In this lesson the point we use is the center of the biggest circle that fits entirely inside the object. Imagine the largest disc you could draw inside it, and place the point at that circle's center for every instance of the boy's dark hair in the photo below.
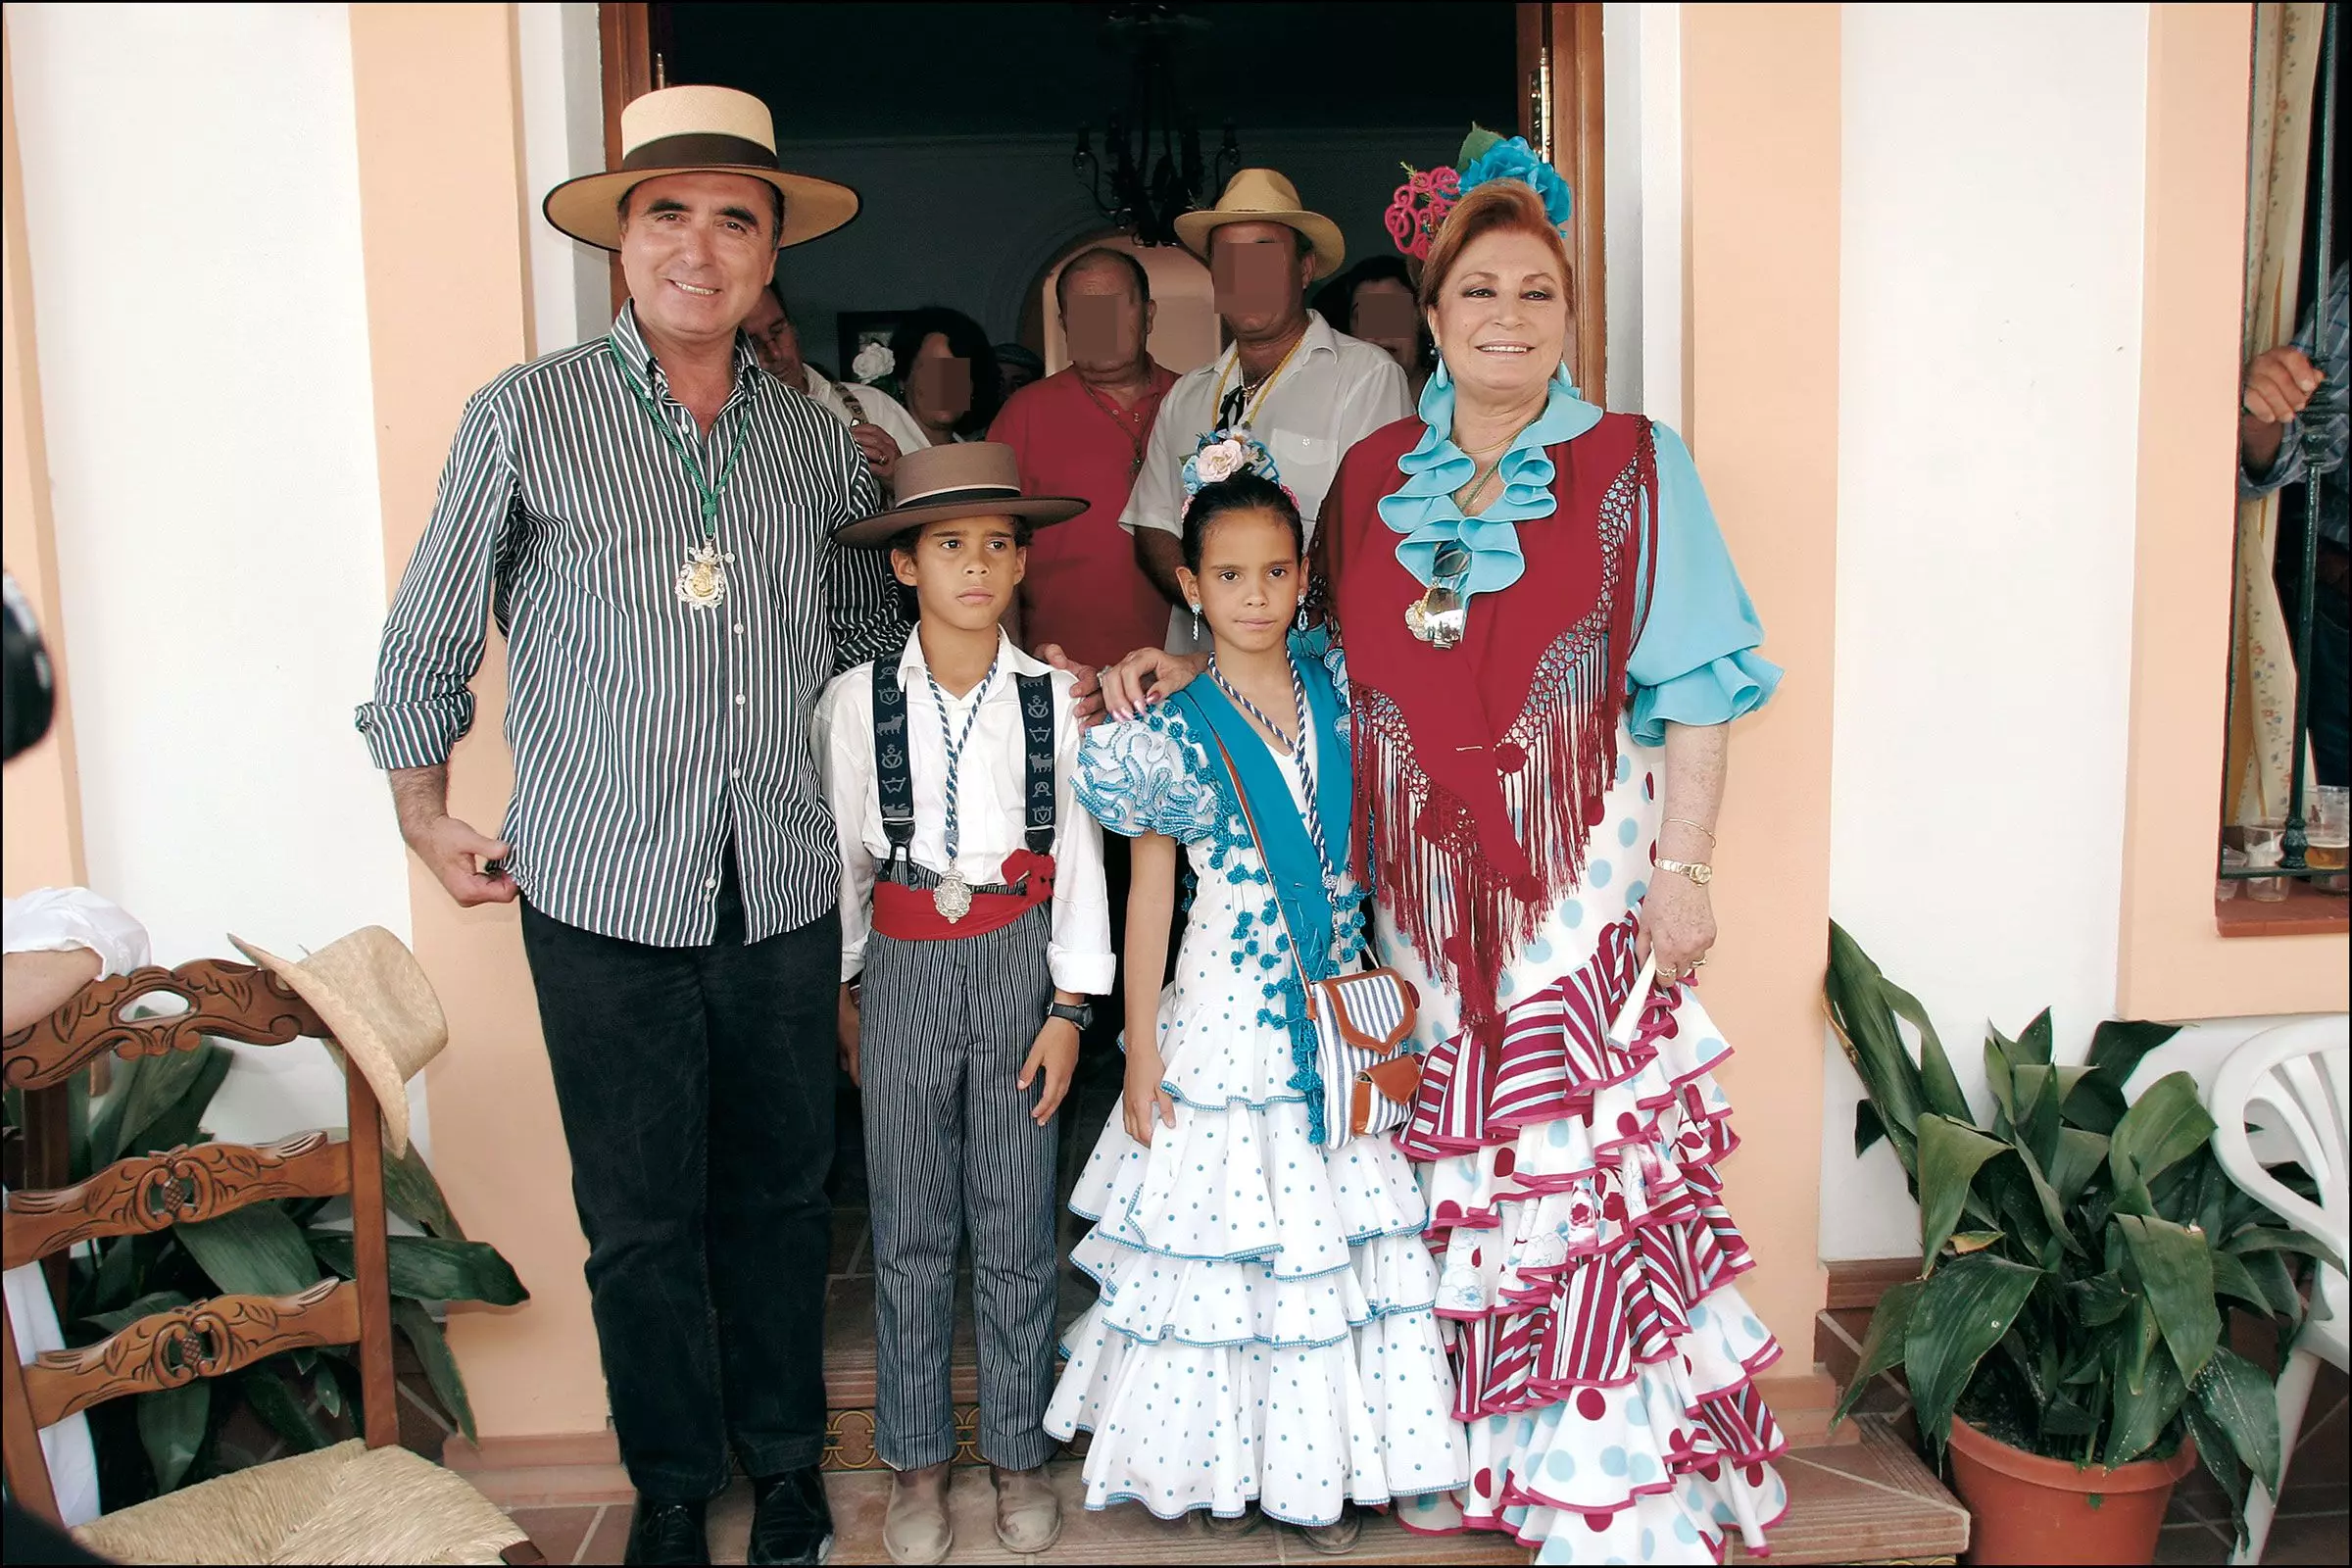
(1244, 492)
(908, 538)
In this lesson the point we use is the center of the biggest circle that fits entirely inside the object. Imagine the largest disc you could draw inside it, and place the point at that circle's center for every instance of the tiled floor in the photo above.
(2315, 1513)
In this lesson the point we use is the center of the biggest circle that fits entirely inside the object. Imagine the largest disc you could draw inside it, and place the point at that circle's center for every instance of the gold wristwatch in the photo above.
(1699, 872)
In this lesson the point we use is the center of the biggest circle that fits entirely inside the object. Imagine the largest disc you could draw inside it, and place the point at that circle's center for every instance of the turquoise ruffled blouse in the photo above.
(1695, 661)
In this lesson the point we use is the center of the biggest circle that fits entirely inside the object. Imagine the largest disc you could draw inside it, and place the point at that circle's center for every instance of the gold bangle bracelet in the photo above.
(1686, 822)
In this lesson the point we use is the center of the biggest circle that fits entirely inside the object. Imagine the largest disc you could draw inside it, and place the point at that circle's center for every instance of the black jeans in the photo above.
(696, 1086)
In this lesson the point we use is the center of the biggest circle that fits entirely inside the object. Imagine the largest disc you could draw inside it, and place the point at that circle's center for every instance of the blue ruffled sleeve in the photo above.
(1695, 661)
(1142, 775)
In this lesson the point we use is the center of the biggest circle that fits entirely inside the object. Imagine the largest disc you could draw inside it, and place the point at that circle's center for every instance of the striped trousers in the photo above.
(950, 1149)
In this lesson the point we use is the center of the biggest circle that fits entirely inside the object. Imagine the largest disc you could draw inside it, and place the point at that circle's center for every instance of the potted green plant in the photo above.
(2079, 1260)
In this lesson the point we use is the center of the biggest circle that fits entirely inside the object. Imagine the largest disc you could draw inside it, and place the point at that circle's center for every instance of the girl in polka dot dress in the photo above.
(1264, 1331)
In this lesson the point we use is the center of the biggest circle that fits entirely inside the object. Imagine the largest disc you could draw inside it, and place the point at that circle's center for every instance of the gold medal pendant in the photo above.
(952, 898)
(702, 579)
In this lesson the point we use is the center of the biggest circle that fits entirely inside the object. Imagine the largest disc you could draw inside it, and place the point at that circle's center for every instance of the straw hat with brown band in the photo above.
(1263, 196)
(695, 130)
(961, 480)
(378, 1006)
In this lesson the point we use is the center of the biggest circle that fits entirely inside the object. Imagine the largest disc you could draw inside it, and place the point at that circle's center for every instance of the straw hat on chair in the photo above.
(380, 1008)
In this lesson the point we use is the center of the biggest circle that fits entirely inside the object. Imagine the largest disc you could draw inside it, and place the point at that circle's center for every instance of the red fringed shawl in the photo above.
(1481, 769)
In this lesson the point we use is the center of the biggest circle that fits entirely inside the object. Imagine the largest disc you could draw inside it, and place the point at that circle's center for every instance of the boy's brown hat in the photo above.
(961, 479)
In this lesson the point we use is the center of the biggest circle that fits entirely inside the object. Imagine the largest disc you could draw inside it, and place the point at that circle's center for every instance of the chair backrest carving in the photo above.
(151, 1191)
(233, 1001)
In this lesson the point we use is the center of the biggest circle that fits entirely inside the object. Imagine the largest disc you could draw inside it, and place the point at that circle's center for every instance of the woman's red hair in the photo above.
(1499, 206)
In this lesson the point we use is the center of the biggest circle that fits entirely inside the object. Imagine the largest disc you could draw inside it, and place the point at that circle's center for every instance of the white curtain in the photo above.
(2262, 696)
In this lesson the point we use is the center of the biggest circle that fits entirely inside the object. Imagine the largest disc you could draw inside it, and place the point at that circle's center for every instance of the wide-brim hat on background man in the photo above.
(961, 480)
(1263, 196)
(695, 130)
(376, 1002)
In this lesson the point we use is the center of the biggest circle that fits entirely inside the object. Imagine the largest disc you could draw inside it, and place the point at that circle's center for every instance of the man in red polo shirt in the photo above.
(1083, 431)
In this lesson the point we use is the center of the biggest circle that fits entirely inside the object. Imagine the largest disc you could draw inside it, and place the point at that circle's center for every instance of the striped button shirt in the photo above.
(648, 733)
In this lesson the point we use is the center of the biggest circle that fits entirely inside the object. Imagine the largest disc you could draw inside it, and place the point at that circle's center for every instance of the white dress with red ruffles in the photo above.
(1603, 1356)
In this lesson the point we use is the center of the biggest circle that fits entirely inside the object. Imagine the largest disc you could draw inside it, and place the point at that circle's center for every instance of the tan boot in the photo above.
(1028, 1513)
(915, 1528)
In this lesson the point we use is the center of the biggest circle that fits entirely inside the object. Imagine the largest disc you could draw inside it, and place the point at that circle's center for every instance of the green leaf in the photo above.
(121, 1318)
(440, 1366)
(330, 1393)
(172, 1423)
(2165, 1125)
(2176, 1274)
(255, 1249)
(118, 1272)
(2231, 1278)
(2095, 1105)
(2237, 1397)
(2053, 1212)
(2278, 1283)
(2143, 1406)
(2220, 1462)
(107, 1110)
(2079, 1156)
(165, 1082)
(179, 1122)
(413, 1194)
(1939, 1086)
(1962, 1311)
(1865, 1028)
(431, 1269)
(78, 1124)
(2117, 1046)
(2041, 1092)
(2099, 1299)
(1950, 1154)
(2000, 1073)
(2280, 1239)
(1881, 1343)
(1867, 1129)
(2063, 1418)
(287, 1416)
(1475, 146)
(2033, 1046)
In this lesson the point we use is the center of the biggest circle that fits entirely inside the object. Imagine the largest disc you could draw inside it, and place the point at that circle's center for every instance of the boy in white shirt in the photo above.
(974, 926)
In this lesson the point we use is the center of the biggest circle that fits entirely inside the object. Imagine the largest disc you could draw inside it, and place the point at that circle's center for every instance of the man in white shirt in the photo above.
(1306, 392)
(880, 425)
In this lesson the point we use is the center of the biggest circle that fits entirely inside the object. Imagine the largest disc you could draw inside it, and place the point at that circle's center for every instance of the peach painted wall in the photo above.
(1760, 126)
(43, 843)
(2173, 965)
(448, 299)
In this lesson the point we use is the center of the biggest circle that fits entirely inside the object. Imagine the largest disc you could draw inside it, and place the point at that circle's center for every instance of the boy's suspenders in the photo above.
(894, 782)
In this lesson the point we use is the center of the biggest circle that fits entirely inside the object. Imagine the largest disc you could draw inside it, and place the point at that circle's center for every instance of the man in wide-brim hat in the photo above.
(1306, 391)
(648, 518)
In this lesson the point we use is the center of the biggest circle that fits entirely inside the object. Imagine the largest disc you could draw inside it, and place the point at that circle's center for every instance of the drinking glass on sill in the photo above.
(2330, 831)
(2233, 859)
(2266, 845)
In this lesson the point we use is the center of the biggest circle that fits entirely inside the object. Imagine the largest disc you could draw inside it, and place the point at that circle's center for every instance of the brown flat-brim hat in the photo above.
(695, 130)
(961, 480)
(378, 1004)
(1263, 196)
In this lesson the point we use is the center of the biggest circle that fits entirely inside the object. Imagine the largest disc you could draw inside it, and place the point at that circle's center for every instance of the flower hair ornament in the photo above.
(1222, 454)
(1418, 210)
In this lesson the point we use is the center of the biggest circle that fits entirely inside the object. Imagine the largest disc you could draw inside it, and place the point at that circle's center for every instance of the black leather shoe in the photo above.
(667, 1533)
(791, 1519)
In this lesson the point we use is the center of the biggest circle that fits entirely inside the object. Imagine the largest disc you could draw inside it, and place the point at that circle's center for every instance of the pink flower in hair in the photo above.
(1419, 208)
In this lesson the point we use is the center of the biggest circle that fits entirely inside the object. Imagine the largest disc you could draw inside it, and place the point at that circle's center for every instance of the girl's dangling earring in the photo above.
(1196, 623)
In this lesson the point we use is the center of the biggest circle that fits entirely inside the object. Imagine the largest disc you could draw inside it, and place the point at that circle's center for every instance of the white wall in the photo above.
(196, 273)
(559, 57)
(1995, 164)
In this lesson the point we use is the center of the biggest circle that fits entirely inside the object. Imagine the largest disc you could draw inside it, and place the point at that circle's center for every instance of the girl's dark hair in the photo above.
(967, 342)
(1244, 492)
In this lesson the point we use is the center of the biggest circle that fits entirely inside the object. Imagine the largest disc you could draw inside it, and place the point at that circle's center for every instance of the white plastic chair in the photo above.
(2288, 1085)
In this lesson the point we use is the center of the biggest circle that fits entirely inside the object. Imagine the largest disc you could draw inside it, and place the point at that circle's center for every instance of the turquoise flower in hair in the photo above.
(1516, 160)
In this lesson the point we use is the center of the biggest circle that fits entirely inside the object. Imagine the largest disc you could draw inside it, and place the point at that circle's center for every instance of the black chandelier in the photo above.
(1152, 147)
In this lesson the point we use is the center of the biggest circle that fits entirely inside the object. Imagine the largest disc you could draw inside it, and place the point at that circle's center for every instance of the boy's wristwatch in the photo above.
(1082, 1014)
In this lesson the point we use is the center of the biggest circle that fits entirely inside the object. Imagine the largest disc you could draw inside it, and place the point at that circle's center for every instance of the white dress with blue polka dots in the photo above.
(1265, 1330)
(1604, 1361)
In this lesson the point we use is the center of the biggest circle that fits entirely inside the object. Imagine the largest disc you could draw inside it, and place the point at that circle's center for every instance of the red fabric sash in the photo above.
(1483, 768)
(909, 915)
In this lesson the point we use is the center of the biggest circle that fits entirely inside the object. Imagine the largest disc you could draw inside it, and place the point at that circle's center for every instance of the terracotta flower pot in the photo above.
(2028, 1509)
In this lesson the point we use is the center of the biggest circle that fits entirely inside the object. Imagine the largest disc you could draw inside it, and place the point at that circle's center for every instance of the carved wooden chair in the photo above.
(365, 1501)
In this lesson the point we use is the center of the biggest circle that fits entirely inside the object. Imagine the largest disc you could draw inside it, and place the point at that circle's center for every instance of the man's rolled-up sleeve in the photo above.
(440, 617)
